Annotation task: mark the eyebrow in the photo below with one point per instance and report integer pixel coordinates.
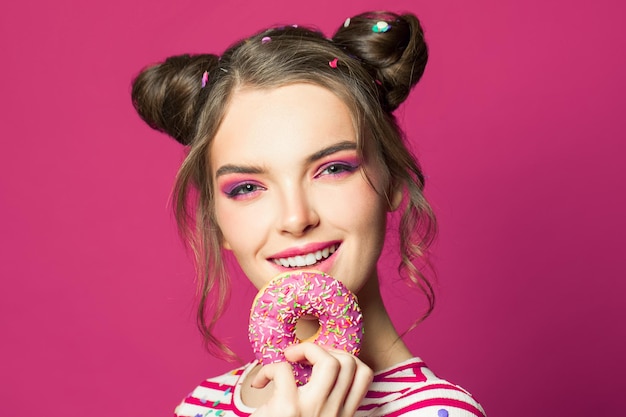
(237, 169)
(338, 147)
(250, 169)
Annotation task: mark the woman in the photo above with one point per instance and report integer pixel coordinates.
(295, 159)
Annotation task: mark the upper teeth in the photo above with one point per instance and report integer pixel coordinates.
(306, 259)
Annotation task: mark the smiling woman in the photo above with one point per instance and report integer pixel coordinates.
(295, 160)
(311, 195)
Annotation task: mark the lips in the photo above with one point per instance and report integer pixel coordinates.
(305, 258)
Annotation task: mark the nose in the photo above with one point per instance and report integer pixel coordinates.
(298, 214)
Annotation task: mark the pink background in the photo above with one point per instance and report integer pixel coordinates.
(519, 123)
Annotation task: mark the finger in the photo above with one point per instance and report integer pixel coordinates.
(312, 354)
(361, 382)
(281, 374)
(325, 366)
(344, 380)
(300, 352)
(339, 376)
(325, 371)
(284, 396)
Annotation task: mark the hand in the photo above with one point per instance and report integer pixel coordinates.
(338, 383)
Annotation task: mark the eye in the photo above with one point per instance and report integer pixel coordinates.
(243, 190)
(336, 168)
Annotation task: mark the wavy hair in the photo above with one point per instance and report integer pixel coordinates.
(376, 67)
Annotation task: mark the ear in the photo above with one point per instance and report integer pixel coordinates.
(395, 197)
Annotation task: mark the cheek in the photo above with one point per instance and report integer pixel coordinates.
(232, 225)
(224, 220)
(243, 228)
(357, 208)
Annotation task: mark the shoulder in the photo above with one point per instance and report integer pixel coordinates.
(411, 389)
(213, 396)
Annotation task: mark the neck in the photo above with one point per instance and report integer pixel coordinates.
(382, 346)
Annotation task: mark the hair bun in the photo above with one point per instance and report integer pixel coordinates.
(168, 95)
(394, 51)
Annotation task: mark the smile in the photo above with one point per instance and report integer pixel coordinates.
(306, 259)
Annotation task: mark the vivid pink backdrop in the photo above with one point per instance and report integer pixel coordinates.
(519, 122)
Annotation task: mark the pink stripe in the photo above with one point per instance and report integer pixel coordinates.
(240, 413)
(380, 394)
(209, 404)
(370, 406)
(443, 402)
(439, 386)
(216, 386)
(396, 370)
(416, 378)
(406, 393)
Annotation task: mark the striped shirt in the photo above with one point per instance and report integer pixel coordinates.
(407, 389)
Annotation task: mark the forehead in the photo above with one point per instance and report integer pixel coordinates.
(295, 118)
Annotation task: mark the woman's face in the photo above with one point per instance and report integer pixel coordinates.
(290, 188)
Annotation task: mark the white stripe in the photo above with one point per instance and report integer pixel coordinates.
(189, 410)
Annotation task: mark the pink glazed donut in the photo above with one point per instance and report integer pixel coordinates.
(291, 295)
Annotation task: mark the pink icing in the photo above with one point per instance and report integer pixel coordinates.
(289, 296)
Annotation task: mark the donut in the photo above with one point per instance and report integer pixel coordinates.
(291, 295)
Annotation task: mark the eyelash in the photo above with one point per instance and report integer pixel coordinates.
(242, 190)
(343, 168)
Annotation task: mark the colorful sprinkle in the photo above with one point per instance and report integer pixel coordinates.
(205, 78)
(293, 295)
(346, 23)
(381, 27)
(442, 412)
(265, 40)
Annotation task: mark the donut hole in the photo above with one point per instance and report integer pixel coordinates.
(308, 328)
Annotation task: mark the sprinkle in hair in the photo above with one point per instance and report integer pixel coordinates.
(381, 27)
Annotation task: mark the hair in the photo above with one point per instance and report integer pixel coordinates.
(373, 75)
